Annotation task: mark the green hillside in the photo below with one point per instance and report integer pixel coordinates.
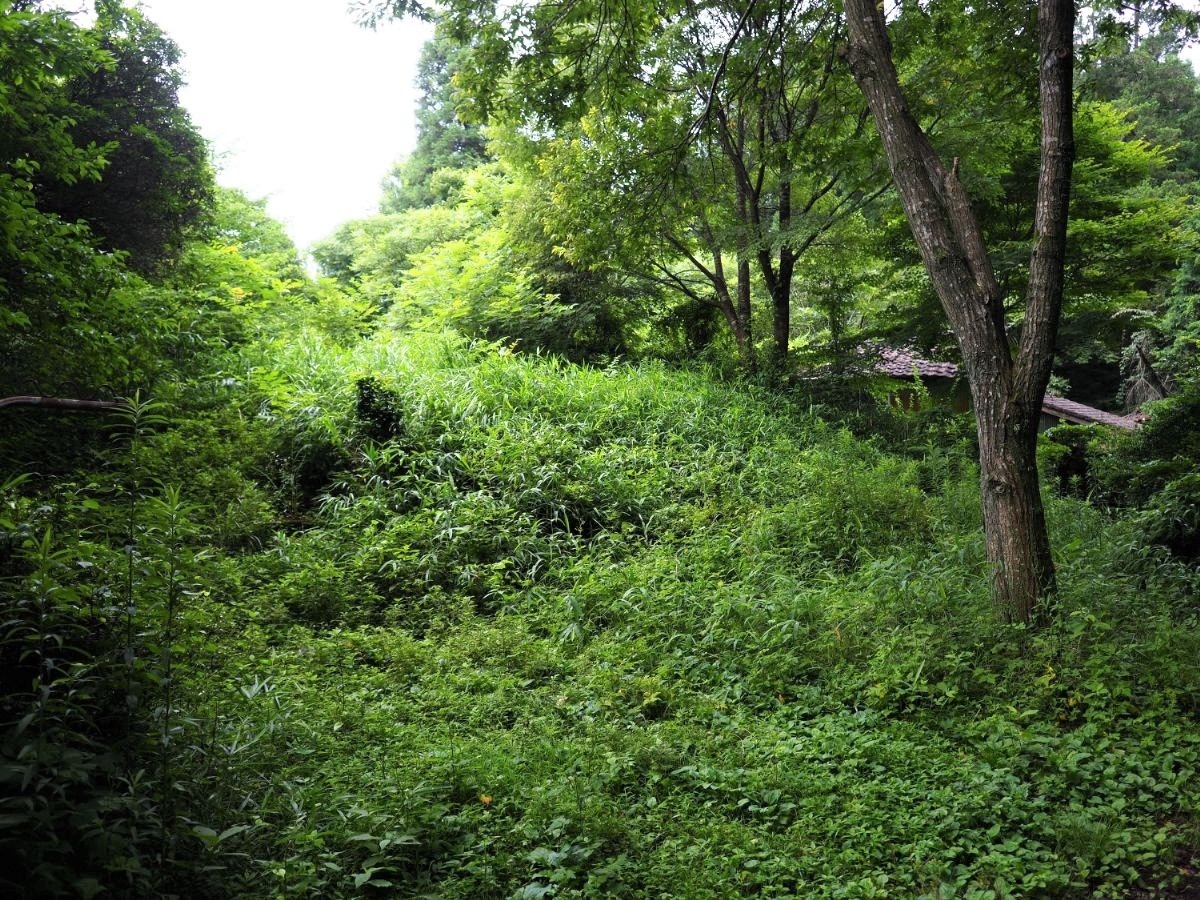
(623, 631)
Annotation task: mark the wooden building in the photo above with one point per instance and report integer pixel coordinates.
(943, 383)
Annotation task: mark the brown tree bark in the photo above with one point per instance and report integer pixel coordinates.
(1007, 391)
(781, 299)
(736, 313)
(744, 320)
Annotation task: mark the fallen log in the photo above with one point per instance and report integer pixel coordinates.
(63, 403)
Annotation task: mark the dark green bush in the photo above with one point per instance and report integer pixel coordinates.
(1066, 454)
(1154, 470)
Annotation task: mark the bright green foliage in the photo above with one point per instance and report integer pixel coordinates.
(359, 606)
(1163, 96)
(646, 616)
(634, 128)
(1155, 471)
(638, 617)
(475, 266)
(47, 269)
(69, 95)
(93, 728)
(229, 284)
(244, 223)
(1178, 325)
(1127, 235)
(528, 627)
(477, 286)
(378, 251)
(970, 72)
(374, 254)
(38, 51)
(1164, 351)
(705, 173)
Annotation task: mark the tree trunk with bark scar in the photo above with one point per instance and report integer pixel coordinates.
(1007, 391)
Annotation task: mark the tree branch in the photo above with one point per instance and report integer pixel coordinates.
(63, 403)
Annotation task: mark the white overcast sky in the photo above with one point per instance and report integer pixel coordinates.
(302, 106)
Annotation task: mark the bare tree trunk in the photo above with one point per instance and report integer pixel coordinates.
(738, 324)
(782, 300)
(745, 326)
(1014, 522)
(1007, 392)
(749, 355)
(732, 318)
(737, 314)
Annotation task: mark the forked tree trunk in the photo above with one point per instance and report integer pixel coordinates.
(1007, 391)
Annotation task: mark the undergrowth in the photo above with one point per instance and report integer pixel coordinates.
(528, 629)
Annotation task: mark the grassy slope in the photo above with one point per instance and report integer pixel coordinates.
(634, 633)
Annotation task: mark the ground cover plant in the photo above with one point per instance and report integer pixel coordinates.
(547, 630)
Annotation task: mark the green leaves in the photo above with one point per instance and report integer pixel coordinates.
(620, 631)
(158, 183)
(63, 198)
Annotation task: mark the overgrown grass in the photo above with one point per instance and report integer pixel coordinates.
(541, 630)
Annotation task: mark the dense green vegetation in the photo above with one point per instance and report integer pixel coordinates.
(496, 562)
(613, 631)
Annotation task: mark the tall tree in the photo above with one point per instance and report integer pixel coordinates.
(719, 131)
(1007, 389)
(445, 143)
(1164, 97)
(95, 155)
(157, 183)
(1126, 235)
(50, 274)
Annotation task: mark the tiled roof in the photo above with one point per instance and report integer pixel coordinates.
(898, 363)
(1082, 414)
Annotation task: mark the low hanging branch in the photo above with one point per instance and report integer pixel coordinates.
(63, 403)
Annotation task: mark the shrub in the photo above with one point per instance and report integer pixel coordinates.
(1154, 470)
